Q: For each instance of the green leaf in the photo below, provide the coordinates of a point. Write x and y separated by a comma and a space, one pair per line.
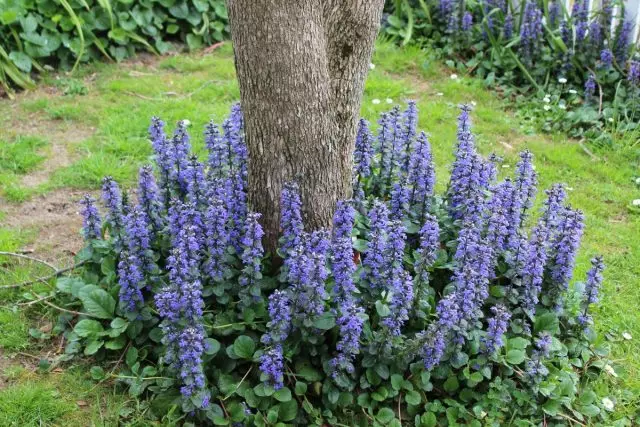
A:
244, 347
413, 398
93, 347
547, 322
116, 344
382, 309
308, 373
394, 21
21, 60
88, 328
325, 322
287, 411
396, 381
212, 346
97, 373
301, 388
70, 285
97, 302
282, 395
451, 384
515, 357
132, 356
385, 415
518, 343
551, 407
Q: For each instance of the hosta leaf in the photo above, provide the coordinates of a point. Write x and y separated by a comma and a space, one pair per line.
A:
98, 303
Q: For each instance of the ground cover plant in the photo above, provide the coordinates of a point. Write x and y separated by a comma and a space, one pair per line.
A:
101, 136
573, 71
414, 307
34, 35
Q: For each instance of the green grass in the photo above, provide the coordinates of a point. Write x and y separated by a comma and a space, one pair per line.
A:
14, 334
31, 404
120, 101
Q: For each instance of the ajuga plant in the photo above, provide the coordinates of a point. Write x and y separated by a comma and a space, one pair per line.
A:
414, 309
571, 70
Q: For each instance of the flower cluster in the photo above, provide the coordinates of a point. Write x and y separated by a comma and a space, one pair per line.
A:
404, 279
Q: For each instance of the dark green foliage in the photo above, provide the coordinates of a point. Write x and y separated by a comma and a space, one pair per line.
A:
63, 33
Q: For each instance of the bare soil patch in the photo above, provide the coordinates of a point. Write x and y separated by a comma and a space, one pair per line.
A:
55, 217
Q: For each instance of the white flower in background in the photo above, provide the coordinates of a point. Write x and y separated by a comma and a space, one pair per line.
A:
568, 188
573, 91
474, 103
636, 202
454, 77
608, 404
372, 66
547, 107
627, 336
547, 99
562, 80
439, 94
562, 106
609, 370
610, 119
506, 166
375, 101
389, 101
638, 180
186, 122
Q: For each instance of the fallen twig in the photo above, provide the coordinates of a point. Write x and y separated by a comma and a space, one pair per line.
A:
586, 150
13, 254
45, 278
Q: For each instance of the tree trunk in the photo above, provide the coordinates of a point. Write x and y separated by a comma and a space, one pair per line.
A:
301, 65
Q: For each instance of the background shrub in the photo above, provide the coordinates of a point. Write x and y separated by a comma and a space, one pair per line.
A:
416, 308
574, 71
62, 33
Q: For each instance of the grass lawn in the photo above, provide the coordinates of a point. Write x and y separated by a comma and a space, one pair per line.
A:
55, 146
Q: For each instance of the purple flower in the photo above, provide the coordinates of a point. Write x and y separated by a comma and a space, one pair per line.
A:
422, 175
594, 281
343, 220
533, 270
410, 122
554, 209
633, 76
531, 32
362, 158
138, 239
554, 13
178, 152
467, 21
595, 36
196, 184
160, 146
350, 322
218, 152
606, 57
216, 239
434, 348
191, 345
623, 41
279, 324
290, 217
343, 268
580, 16
112, 198
428, 249
497, 326
91, 222
499, 221
399, 283
399, 200
252, 254
590, 86
306, 275
272, 366
534, 368
149, 197
374, 272
564, 249
524, 192
131, 281
507, 30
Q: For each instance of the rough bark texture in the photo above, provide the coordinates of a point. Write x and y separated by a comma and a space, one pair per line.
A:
301, 65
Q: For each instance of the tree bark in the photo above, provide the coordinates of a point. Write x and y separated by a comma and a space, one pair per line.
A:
301, 66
